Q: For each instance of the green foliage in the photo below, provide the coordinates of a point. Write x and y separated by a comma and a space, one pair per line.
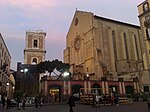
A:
144, 96
18, 93
51, 65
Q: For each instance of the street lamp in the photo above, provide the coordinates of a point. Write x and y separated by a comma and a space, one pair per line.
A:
65, 74
7, 84
24, 71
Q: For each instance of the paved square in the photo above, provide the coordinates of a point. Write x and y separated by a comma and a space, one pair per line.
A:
133, 107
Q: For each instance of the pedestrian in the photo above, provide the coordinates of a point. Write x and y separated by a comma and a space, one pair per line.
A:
8, 103
94, 101
23, 102
36, 102
112, 100
19, 103
40, 101
71, 103
3, 101
116, 100
0, 100
148, 103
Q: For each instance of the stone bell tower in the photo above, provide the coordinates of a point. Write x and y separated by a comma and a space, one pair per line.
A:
34, 51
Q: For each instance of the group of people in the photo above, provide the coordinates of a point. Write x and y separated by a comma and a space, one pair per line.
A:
21, 101
106, 99
5, 102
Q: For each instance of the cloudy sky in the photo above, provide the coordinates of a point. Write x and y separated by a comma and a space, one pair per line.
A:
54, 17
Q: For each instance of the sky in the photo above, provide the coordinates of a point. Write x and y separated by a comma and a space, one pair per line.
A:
54, 17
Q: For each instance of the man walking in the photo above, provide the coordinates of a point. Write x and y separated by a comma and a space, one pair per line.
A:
71, 103
148, 103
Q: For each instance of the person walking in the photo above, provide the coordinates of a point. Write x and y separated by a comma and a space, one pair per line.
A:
19, 103
23, 102
94, 101
36, 102
8, 103
3, 101
148, 103
0, 100
71, 103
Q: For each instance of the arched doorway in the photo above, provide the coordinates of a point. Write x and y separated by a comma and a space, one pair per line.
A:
129, 90
76, 90
55, 92
96, 89
113, 89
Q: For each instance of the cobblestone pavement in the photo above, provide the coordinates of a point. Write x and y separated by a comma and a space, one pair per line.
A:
133, 107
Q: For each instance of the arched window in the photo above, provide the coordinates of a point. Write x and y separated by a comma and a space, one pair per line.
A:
126, 46
34, 61
35, 43
114, 44
145, 6
148, 33
114, 47
136, 46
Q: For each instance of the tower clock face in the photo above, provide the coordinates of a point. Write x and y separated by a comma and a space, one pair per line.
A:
77, 43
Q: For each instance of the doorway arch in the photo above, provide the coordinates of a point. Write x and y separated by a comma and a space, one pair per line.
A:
54, 92
96, 89
129, 90
76, 88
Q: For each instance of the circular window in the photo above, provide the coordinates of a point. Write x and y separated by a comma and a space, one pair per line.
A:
77, 43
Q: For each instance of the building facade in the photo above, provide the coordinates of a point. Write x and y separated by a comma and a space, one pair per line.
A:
144, 18
5, 61
99, 47
34, 51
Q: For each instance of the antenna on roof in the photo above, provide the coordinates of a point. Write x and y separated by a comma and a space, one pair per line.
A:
76, 8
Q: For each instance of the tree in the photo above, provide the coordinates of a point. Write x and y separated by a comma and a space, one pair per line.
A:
50, 66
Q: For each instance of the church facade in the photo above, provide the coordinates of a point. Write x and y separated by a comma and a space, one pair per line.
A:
98, 47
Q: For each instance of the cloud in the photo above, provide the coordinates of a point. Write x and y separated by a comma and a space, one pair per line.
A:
34, 4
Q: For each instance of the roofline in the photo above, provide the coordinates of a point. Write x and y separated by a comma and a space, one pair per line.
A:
119, 22
5, 45
142, 3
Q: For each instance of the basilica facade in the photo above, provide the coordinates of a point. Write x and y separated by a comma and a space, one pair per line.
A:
98, 47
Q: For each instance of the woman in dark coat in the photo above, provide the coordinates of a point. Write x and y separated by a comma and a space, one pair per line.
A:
3, 101
71, 103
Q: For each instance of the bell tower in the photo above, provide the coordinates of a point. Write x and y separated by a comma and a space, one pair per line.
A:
34, 51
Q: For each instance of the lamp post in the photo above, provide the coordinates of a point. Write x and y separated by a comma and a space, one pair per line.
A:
24, 71
7, 85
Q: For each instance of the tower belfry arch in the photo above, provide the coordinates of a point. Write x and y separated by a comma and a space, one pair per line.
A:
34, 51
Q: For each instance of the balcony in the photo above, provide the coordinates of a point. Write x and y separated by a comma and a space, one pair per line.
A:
147, 23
